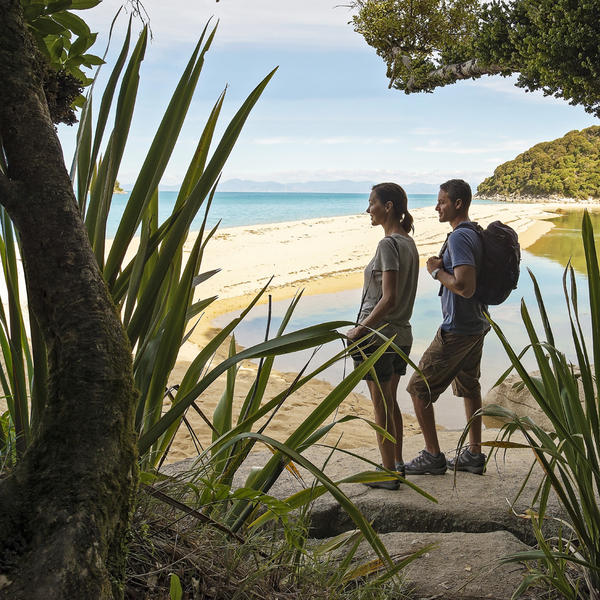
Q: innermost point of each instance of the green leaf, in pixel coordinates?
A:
(48, 26)
(32, 11)
(175, 591)
(198, 161)
(81, 44)
(56, 7)
(270, 472)
(348, 506)
(201, 190)
(74, 23)
(84, 4)
(105, 106)
(101, 196)
(299, 340)
(169, 337)
(155, 162)
(91, 60)
(222, 415)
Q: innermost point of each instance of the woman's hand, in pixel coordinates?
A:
(356, 333)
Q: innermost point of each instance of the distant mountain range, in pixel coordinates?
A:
(342, 186)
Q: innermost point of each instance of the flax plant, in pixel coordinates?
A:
(569, 453)
(156, 294)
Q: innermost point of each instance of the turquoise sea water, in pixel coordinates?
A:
(253, 208)
(546, 259)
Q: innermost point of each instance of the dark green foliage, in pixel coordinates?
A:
(553, 45)
(569, 450)
(61, 90)
(567, 167)
(62, 40)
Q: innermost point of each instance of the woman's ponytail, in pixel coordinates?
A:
(407, 222)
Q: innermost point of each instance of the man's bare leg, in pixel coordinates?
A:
(472, 405)
(426, 417)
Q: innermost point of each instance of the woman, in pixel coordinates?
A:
(390, 285)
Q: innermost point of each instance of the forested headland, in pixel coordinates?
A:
(568, 167)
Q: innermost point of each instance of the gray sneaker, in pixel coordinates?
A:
(400, 468)
(426, 464)
(392, 484)
(466, 461)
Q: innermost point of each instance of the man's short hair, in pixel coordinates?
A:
(458, 188)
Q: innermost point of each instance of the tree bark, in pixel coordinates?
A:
(444, 75)
(65, 509)
(469, 69)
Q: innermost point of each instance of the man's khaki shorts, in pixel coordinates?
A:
(450, 359)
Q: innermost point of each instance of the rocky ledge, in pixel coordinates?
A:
(474, 523)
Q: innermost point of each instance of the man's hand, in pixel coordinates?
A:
(434, 262)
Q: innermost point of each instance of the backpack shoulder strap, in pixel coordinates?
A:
(473, 226)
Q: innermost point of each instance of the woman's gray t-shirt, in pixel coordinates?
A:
(397, 254)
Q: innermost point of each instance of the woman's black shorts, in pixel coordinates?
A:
(390, 363)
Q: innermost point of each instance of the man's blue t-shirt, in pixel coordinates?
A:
(463, 316)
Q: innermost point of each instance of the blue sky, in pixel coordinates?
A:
(327, 114)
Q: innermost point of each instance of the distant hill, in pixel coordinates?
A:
(568, 167)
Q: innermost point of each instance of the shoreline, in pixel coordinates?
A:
(268, 245)
(530, 221)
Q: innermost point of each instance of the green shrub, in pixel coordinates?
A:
(569, 453)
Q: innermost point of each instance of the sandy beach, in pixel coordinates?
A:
(320, 256)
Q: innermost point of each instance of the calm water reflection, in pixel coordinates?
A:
(546, 259)
(563, 242)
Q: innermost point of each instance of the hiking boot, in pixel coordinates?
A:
(400, 468)
(466, 461)
(426, 464)
(392, 484)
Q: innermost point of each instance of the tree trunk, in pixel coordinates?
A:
(65, 509)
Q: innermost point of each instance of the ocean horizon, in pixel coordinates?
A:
(235, 209)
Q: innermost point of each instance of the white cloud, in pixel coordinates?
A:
(506, 85)
(403, 177)
(436, 146)
(432, 131)
(318, 22)
(327, 141)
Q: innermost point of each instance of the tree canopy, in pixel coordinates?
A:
(553, 45)
(568, 167)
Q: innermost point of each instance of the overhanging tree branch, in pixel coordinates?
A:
(405, 74)
(552, 45)
(470, 69)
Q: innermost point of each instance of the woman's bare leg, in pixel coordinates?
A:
(397, 417)
(385, 417)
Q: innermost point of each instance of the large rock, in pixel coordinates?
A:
(467, 503)
(514, 396)
(461, 566)
(475, 521)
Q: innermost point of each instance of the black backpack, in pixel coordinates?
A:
(499, 272)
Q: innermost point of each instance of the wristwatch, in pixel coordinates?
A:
(435, 272)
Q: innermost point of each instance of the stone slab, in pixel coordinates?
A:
(461, 566)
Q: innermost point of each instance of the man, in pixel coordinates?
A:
(454, 355)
